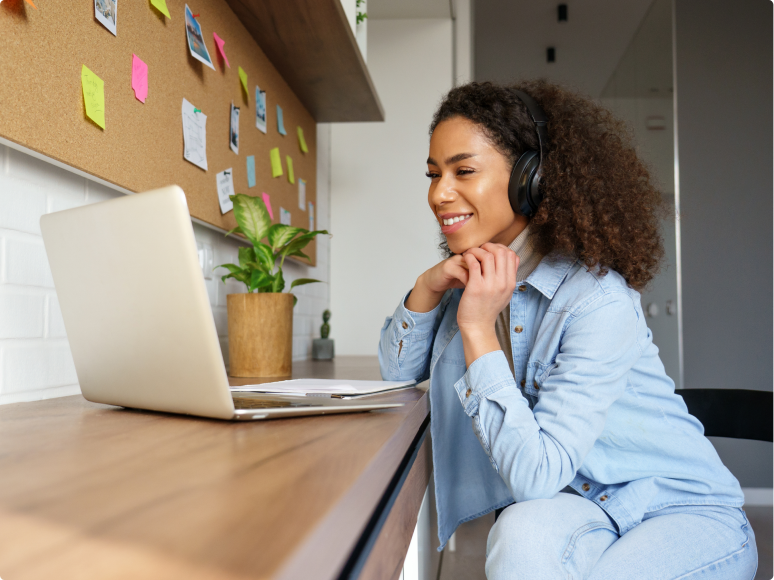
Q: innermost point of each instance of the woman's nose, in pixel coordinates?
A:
(444, 191)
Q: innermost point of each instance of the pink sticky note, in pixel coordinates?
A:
(220, 42)
(139, 78)
(267, 201)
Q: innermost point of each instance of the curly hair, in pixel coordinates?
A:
(600, 203)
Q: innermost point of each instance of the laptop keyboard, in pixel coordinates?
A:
(256, 403)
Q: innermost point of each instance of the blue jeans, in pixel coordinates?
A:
(571, 538)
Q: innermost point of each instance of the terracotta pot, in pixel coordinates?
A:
(260, 334)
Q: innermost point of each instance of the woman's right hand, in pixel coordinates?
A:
(432, 284)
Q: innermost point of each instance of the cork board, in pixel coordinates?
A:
(141, 147)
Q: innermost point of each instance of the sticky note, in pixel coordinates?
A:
(284, 216)
(311, 216)
(225, 180)
(243, 78)
(267, 203)
(276, 162)
(291, 175)
(139, 78)
(250, 171)
(301, 194)
(301, 140)
(161, 6)
(220, 42)
(280, 121)
(93, 96)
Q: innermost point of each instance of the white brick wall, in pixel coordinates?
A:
(35, 358)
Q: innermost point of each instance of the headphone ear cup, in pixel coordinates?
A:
(523, 184)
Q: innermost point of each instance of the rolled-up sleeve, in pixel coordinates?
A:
(406, 343)
(538, 451)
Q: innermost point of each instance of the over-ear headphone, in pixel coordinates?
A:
(524, 185)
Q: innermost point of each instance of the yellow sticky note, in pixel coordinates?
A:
(161, 6)
(301, 140)
(93, 96)
(291, 176)
(276, 162)
(243, 78)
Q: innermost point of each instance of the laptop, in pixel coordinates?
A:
(138, 316)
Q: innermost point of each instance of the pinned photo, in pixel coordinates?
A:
(234, 140)
(260, 109)
(106, 11)
(195, 39)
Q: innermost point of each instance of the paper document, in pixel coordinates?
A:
(339, 388)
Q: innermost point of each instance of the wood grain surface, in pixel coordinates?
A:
(141, 147)
(90, 491)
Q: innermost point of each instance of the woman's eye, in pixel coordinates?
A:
(432, 174)
(464, 171)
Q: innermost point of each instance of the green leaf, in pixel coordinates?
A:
(246, 256)
(252, 217)
(300, 254)
(295, 300)
(235, 230)
(259, 280)
(279, 282)
(264, 256)
(233, 268)
(302, 281)
(280, 234)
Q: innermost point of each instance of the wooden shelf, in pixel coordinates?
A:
(312, 46)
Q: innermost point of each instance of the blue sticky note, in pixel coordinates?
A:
(250, 171)
(280, 121)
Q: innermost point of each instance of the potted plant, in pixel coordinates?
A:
(260, 323)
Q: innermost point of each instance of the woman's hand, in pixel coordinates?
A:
(491, 281)
(431, 285)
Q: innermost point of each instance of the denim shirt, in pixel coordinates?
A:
(592, 406)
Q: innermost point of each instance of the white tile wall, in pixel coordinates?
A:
(35, 358)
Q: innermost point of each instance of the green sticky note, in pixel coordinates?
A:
(276, 162)
(301, 140)
(291, 176)
(93, 96)
(161, 6)
(243, 78)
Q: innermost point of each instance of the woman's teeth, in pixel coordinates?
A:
(460, 218)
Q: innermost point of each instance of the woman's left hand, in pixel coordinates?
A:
(492, 279)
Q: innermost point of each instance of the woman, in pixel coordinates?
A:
(546, 388)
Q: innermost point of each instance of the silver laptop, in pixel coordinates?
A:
(138, 316)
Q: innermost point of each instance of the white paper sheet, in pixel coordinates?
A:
(225, 189)
(194, 136)
(324, 387)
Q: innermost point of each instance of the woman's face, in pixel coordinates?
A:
(469, 185)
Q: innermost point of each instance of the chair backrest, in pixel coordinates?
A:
(737, 413)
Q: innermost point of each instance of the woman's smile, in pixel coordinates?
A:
(453, 221)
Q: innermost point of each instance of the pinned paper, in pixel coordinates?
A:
(106, 13)
(311, 216)
(267, 203)
(260, 109)
(291, 175)
(301, 140)
(276, 162)
(139, 78)
(250, 171)
(194, 135)
(161, 6)
(196, 45)
(225, 189)
(284, 216)
(220, 42)
(93, 96)
(280, 121)
(301, 194)
(243, 78)
(234, 132)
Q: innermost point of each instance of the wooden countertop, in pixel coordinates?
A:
(94, 491)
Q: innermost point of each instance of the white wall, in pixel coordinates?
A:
(35, 359)
(384, 233)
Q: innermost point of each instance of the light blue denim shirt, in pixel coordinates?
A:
(592, 406)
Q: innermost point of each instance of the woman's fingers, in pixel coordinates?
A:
(474, 267)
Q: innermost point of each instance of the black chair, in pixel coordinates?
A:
(736, 413)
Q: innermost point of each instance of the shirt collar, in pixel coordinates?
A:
(550, 273)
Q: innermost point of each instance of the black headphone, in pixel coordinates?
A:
(524, 185)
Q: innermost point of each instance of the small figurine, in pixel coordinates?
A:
(322, 348)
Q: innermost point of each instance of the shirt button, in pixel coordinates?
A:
(522, 288)
(534, 384)
(523, 382)
(405, 325)
(518, 329)
(603, 498)
(585, 487)
(467, 393)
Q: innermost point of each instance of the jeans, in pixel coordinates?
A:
(569, 537)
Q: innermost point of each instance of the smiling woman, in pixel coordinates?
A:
(547, 391)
